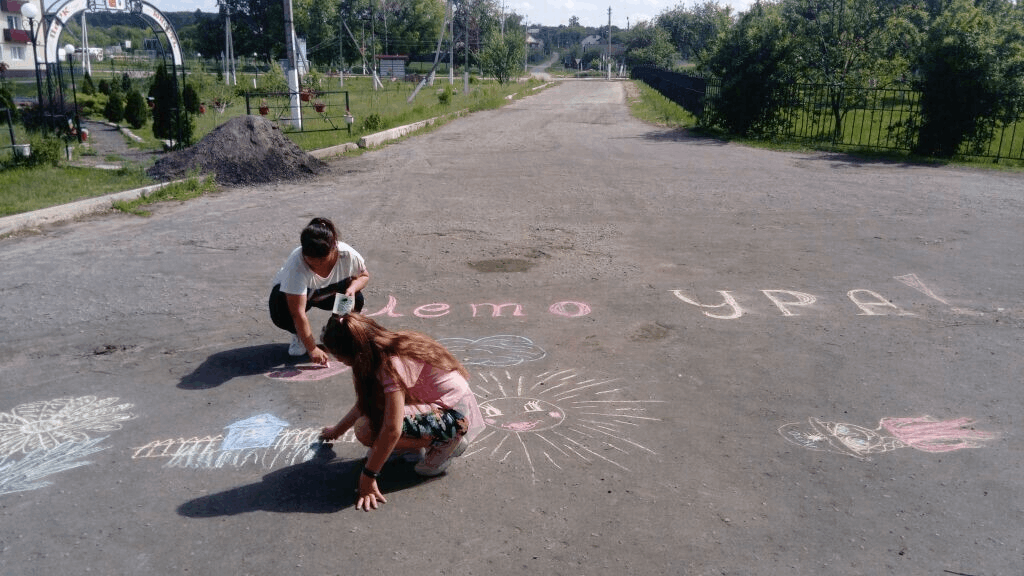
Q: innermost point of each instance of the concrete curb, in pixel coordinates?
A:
(54, 214)
(374, 140)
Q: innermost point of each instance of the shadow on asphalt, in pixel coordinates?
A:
(319, 486)
(249, 361)
(682, 135)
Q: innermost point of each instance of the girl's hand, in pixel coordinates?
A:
(318, 356)
(329, 433)
(369, 494)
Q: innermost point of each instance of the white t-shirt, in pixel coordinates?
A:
(295, 277)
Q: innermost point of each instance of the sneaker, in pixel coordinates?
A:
(296, 348)
(439, 457)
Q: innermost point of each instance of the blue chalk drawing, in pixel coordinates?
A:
(28, 472)
(256, 432)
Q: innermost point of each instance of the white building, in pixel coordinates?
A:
(16, 37)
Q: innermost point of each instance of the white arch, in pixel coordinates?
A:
(69, 9)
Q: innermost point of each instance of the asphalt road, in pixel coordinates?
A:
(695, 358)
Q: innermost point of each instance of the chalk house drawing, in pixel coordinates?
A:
(262, 441)
(500, 351)
(555, 417)
(42, 438)
(924, 433)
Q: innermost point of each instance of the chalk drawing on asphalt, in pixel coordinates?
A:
(549, 419)
(307, 372)
(923, 433)
(43, 438)
(499, 351)
(917, 284)
(257, 441)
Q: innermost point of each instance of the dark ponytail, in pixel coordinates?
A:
(319, 238)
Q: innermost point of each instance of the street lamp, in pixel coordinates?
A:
(70, 49)
(29, 11)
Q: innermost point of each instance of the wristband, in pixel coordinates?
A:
(371, 474)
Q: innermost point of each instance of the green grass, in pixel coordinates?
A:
(177, 191)
(652, 107)
(26, 189)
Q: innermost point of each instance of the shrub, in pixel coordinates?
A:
(373, 123)
(126, 83)
(87, 85)
(191, 98)
(444, 96)
(46, 150)
(114, 110)
(136, 113)
(104, 86)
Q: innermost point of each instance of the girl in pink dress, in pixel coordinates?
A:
(411, 393)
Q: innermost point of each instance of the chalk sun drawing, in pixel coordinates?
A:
(499, 351)
(923, 433)
(556, 417)
(43, 438)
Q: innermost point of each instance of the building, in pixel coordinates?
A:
(16, 38)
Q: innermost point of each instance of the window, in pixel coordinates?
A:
(17, 52)
(14, 22)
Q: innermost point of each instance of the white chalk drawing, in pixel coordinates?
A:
(307, 372)
(256, 432)
(285, 448)
(28, 473)
(499, 351)
(43, 438)
(914, 282)
(923, 433)
(555, 417)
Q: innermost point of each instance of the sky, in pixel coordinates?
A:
(543, 12)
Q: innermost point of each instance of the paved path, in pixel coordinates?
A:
(695, 357)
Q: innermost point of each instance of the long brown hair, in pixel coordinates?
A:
(369, 348)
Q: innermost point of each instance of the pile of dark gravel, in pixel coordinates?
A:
(243, 150)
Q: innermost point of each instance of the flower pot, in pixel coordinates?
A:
(264, 110)
(319, 107)
(305, 96)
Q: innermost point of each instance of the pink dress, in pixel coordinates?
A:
(436, 389)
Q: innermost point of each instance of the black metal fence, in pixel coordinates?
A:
(320, 110)
(868, 118)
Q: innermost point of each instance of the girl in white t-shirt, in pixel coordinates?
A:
(319, 268)
(411, 394)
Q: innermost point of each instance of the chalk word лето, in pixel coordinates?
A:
(565, 309)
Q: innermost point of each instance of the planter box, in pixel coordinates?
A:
(18, 36)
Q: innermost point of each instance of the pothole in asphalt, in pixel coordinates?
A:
(502, 265)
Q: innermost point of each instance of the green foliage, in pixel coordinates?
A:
(373, 123)
(87, 85)
(114, 110)
(126, 83)
(7, 98)
(693, 30)
(136, 113)
(751, 60)
(46, 151)
(649, 45)
(104, 86)
(165, 101)
(444, 96)
(971, 69)
(190, 96)
(272, 80)
(502, 58)
(91, 104)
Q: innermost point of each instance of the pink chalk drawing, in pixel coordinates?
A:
(931, 435)
(307, 372)
(924, 433)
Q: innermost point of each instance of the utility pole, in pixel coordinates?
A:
(451, 44)
(609, 42)
(293, 70)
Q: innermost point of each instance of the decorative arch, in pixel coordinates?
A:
(69, 9)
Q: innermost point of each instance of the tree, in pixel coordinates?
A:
(649, 45)
(971, 76)
(88, 87)
(136, 113)
(574, 21)
(752, 62)
(502, 58)
(693, 29)
(114, 110)
(167, 107)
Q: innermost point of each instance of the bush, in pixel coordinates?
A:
(373, 123)
(91, 104)
(444, 96)
(126, 83)
(191, 99)
(114, 110)
(46, 150)
(136, 113)
(104, 87)
(87, 86)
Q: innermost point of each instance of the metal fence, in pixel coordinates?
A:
(868, 118)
